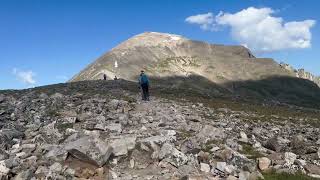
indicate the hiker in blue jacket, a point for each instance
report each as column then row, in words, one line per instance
column 144, row 84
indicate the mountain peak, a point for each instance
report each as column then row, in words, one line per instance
column 160, row 35
column 148, row 39
column 164, row 55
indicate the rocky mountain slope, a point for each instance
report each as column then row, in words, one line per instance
column 165, row 55
column 301, row 73
column 101, row 130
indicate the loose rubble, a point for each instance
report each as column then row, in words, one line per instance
column 72, row 135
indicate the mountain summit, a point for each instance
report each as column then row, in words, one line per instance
column 165, row 55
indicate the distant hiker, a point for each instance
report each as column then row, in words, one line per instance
column 104, row 77
column 115, row 78
column 144, row 84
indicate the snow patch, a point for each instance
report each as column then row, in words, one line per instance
column 175, row 38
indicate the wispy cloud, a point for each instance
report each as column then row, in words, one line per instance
column 27, row 77
column 258, row 29
column 206, row 21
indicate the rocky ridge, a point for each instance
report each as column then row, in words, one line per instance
column 101, row 130
column 301, row 73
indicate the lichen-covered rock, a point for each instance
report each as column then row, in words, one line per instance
column 273, row 144
column 298, row 145
column 209, row 132
column 122, row 145
column 289, row 158
column 89, row 149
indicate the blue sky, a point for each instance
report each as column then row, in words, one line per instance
column 45, row 42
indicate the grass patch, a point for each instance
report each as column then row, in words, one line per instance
column 62, row 127
column 206, row 147
column 52, row 113
column 249, row 151
column 184, row 134
column 286, row 176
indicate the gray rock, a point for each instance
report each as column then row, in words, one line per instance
column 55, row 167
column 24, row 175
column 177, row 158
column 277, row 158
column 55, row 152
column 11, row 163
column 243, row 137
column 89, row 149
column 114, row 103
column 300, row 162
column 143, row 120
column 42, row 171
column 205, row 167
column 221, row 166
column 57, row 96
column 100, row 126
column 312, row 169
column 170, row 135
column 172, row 155
column 256, row 176
column 242, row 161
column 298, row 145
column 69, row 173
column 264, row 163
column 244, row 175
column 123, row 145
column 3, row 168
column 114, row 127
column 289, row 158
column 165, row 150
column 231, row 178
column 214, row 149
column 187, row 169
column 230, row 169
column 2, row 98
column 233, row 144
column 273, row 144
column 154, row 139
column 43, row 96
column 28, row 146
column 3, row 155
column 132, row 163
column 7, row 136
column 210, row 132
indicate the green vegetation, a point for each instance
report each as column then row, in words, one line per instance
column 52, row 112
column 192, row 89
column 184, row 134
column 249, row 151
column 180, row 60
column 285, row 176
column 210, row 144
column 63, row 126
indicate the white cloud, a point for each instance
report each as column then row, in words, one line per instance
column 204, row 20
column 258, row 30
column 26, row 77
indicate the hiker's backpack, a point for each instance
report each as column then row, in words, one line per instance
column 144, row 79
